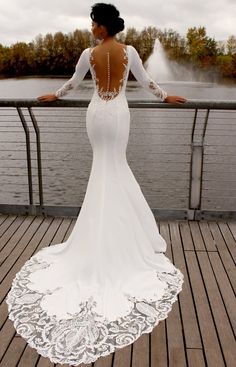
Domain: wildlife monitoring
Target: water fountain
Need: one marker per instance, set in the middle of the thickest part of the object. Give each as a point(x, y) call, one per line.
point(158, 65)
point(163, 70)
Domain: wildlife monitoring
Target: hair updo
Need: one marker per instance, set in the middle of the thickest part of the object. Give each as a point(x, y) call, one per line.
point(107, 15)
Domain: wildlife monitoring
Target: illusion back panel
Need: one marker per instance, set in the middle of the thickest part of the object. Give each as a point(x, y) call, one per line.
point(109, 79)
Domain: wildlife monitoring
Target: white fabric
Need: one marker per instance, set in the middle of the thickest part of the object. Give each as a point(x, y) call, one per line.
point(110, 281)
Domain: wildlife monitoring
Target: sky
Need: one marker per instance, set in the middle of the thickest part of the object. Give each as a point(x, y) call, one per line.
point(23, 20)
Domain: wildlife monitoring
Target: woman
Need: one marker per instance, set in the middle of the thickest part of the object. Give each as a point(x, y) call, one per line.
point(110, 282)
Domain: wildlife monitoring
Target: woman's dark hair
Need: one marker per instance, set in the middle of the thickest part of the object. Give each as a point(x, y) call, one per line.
point(107, 15)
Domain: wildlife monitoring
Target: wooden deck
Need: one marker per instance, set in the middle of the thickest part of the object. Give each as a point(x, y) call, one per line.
point(199, 330)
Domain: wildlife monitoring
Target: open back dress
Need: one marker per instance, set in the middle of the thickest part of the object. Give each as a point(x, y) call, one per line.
point(110, 281)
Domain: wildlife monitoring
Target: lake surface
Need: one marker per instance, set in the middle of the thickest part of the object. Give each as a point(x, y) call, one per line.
point(158, 152)
point(33, 87)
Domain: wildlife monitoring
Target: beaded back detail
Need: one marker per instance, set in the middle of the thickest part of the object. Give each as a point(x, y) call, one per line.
point(109, 80)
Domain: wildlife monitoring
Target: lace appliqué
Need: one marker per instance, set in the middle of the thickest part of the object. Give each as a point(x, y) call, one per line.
point(62, 91)
point(85, 336)
point(107, 94)
point(157, 91)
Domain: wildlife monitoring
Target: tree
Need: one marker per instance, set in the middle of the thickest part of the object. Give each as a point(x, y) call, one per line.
point(146, 41)
point(132, 37)
point(231, 45)
point(173, 43)
point(19, 58)
point(202, 50)
point(58, 53)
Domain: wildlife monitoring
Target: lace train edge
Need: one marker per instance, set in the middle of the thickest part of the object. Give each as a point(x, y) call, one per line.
point(83, 339)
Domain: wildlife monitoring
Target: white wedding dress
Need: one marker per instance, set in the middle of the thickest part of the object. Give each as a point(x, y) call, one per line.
point(110, 282)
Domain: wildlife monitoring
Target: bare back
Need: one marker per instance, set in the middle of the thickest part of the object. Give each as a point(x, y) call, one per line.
point(109, 65)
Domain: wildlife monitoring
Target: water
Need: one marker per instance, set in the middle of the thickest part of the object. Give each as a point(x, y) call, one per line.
point(32, 87)
point(158, 151)
point(157, 64)
point(163, 69)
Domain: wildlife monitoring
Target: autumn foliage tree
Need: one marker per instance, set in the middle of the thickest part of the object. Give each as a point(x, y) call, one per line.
point(202, 50)
point(57, 54)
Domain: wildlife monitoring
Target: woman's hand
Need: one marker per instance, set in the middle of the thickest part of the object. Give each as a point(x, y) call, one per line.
point(175, 99)
point(47, 98)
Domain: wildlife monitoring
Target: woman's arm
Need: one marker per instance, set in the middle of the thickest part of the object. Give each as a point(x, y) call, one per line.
point(81, 69)
point(147, 82)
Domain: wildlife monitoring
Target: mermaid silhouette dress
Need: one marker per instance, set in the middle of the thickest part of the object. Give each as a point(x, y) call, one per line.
point(110, 281)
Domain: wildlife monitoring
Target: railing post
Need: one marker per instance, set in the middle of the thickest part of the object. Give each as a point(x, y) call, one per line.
point(196, 176)
point(39, 161)
point(28, 154)
point(196, 169)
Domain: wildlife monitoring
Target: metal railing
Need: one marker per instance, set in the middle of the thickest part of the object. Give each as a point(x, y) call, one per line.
point(197, 144)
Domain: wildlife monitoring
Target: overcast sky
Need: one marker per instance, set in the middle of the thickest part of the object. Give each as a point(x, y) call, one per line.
point(23, 20)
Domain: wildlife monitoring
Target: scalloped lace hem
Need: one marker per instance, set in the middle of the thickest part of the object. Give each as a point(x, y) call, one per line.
point(86, 335)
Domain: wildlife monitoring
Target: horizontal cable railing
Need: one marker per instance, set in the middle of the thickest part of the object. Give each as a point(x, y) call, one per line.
point(182, 155)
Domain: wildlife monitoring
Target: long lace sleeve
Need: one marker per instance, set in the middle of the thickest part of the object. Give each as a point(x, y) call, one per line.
point(81, 69)
point(142, 76)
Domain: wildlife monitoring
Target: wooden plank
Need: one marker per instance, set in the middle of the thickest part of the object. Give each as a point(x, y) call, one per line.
point(224, 253)
point(24, 256)
point(203, 250)
point(197, 236)
point(176, 351)
point(140, 357)
point(122, 356)
point(3, 217)
point(104, 361)
point(225, 287)
point(28, 358)
point(211, 345)
point(229, 240)
point(165, 233)
point(70, 228)
point(5, 225)
point(21, 245)
point(16, 242)
point(188, 312)
point(207, 236)
point(7, 334)
point(13, 353)
point(44, 362)
point(195, 358)
point(175, 343)
point(220, 318)
point(3, 313)
point(232, 227)
point(158, 346)
point(29, 353)
point(186, 235)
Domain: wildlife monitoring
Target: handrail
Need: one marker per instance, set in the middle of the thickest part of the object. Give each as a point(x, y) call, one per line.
point(194, 210)
point(148, 103)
